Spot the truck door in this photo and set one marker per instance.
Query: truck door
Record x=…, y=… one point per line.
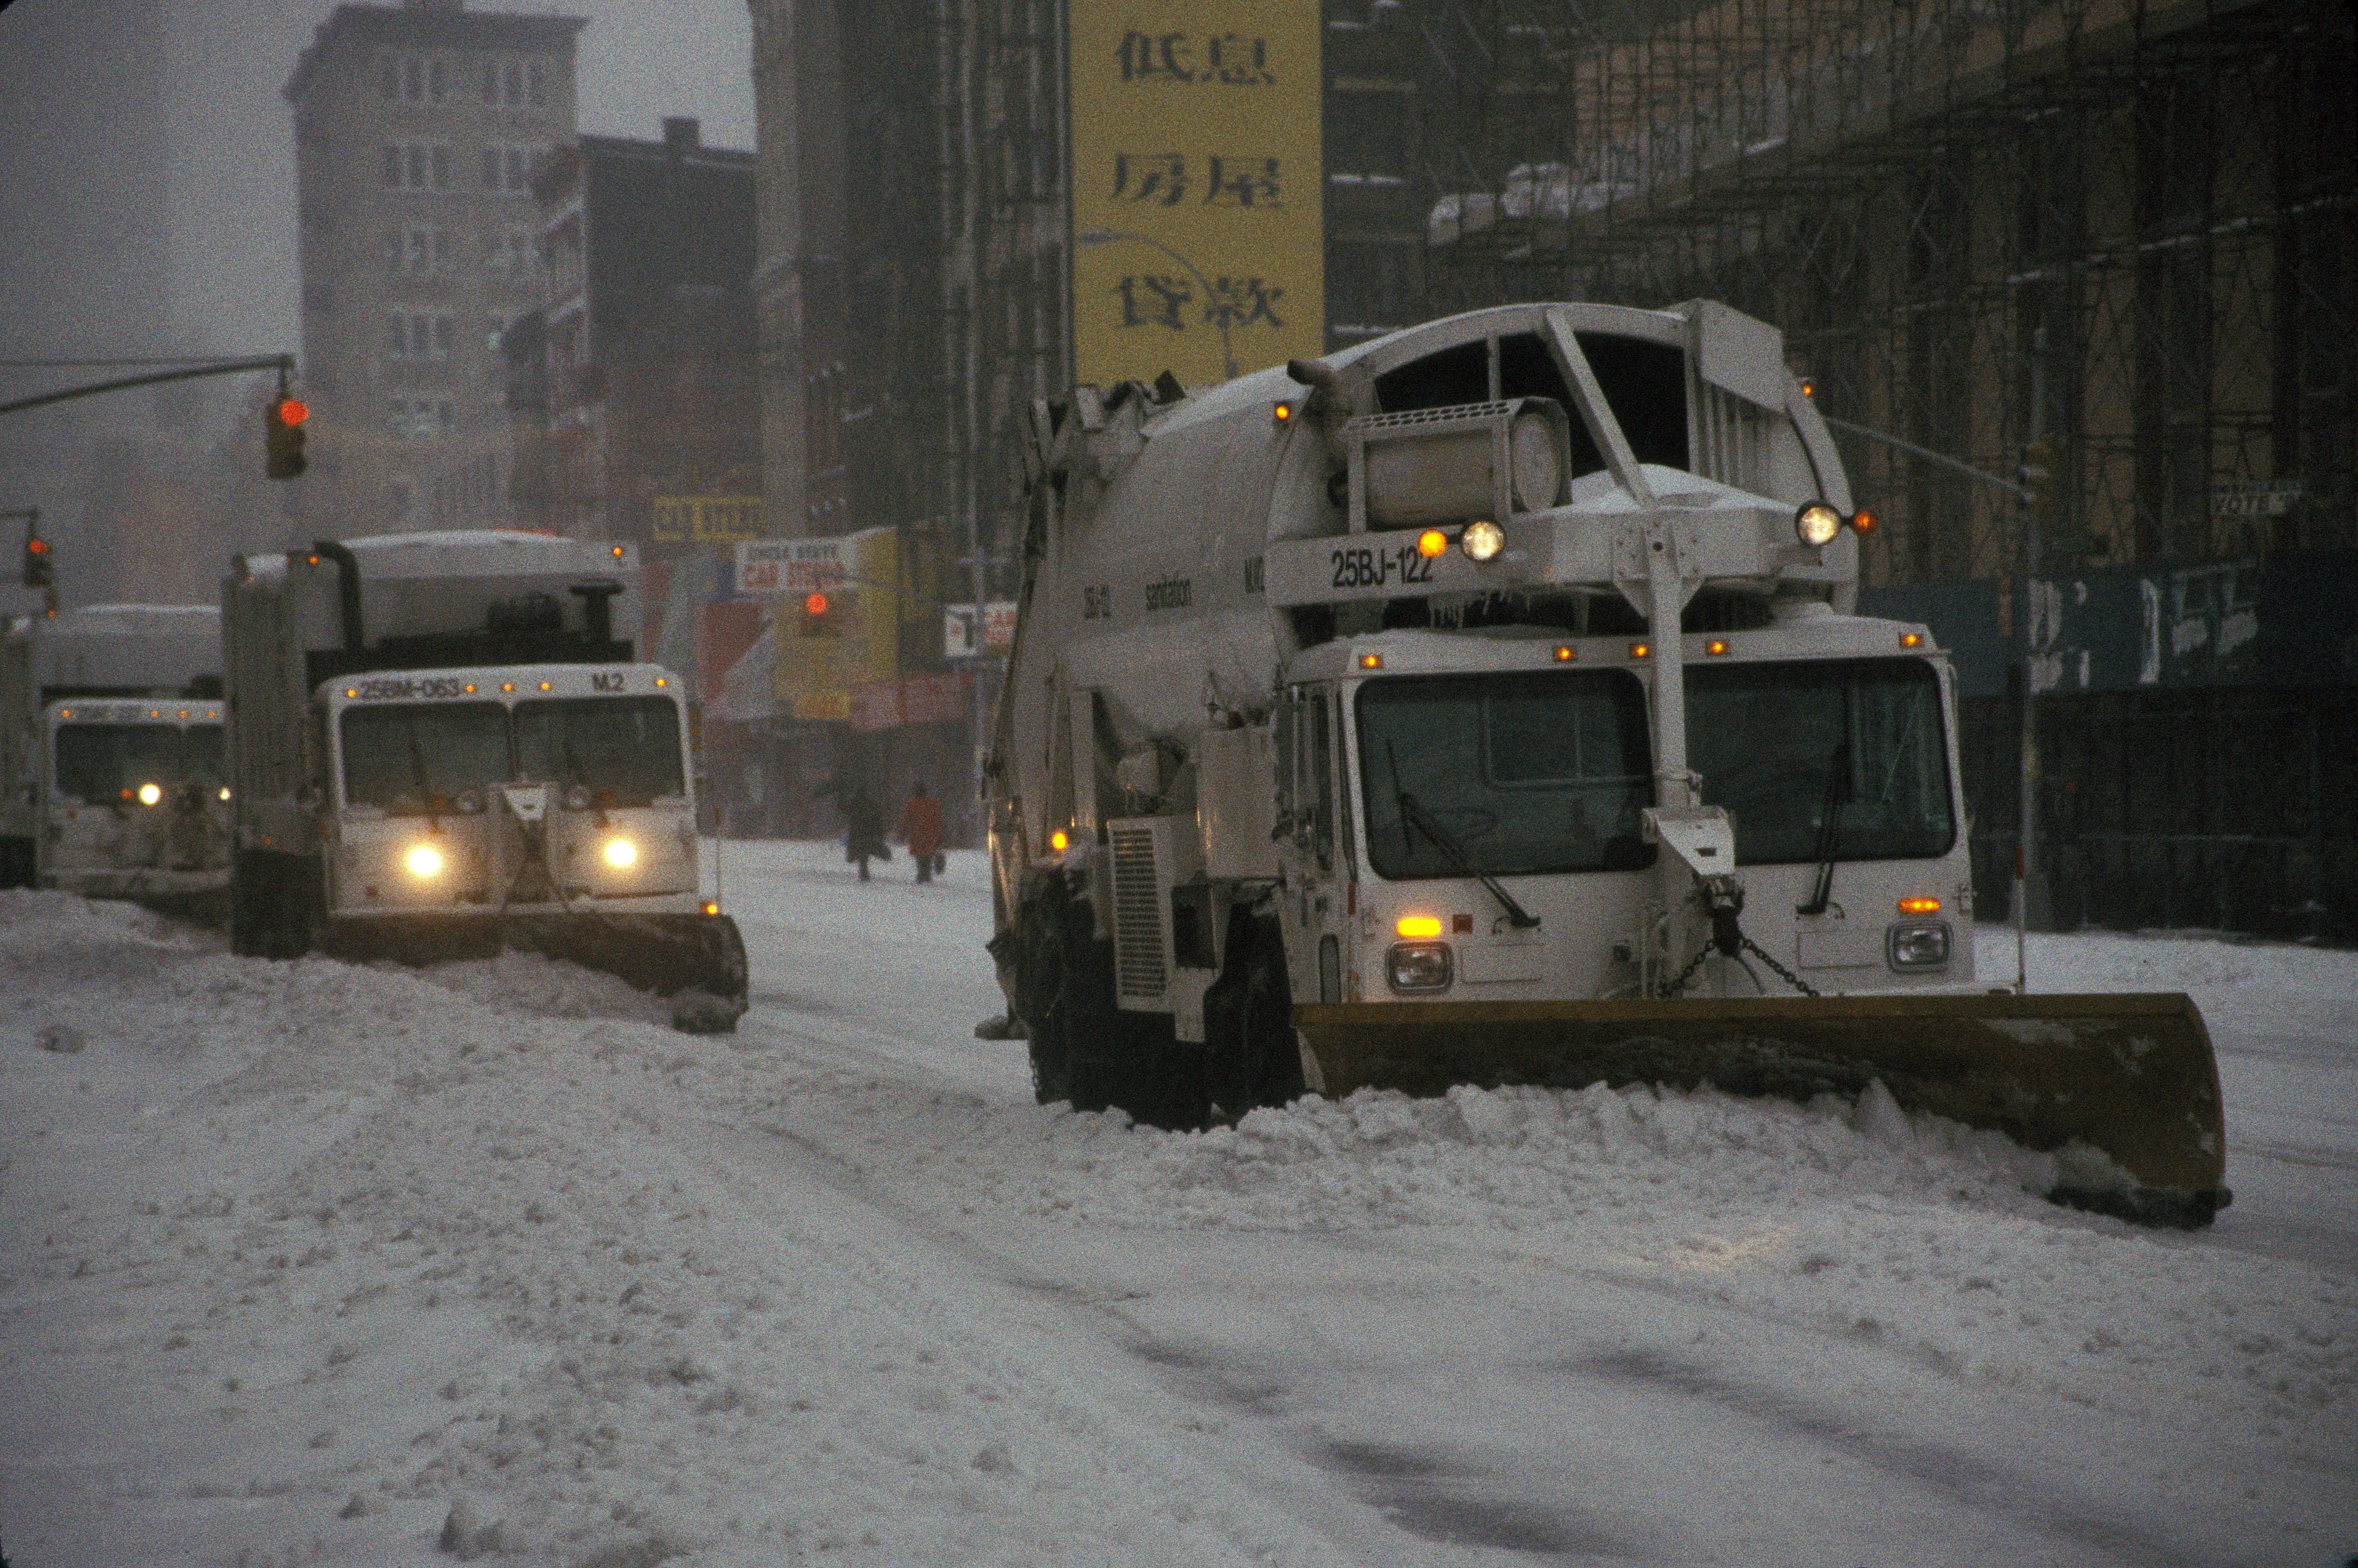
x=1310, y=803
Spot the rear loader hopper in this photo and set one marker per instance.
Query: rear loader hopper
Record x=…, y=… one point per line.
x=1486, y=704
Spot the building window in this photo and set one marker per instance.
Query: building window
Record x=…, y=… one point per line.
x=418, y=334
x=513, y=83
x=416, y=165
x=413, y=78
x=419, y=250
x=515, y=253
x=507, y=165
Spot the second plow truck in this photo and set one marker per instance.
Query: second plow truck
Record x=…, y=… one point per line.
x=111, y=756
x=1485, y=704
x=439, y=744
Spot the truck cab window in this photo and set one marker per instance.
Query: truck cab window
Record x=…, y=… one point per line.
x=1783, y=746
x=411, y=759
x=1522, y=775
x=109, y=762
x=624, y=750
x=1445, y=380
x=1645, y=384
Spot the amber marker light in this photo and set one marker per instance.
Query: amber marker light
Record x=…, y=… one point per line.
x=618, y=552
x=1430, y=542
x=545, y=686
x=507, y=686
x=1282, y=412
x=1565, y=653
x=1919, y=906
x=1911, y=639
x=712, y=906
x=1418, y=927
x=1862, y=521
x=352, y=691
x=1641, y=649
x=1371, y=661
x=1716, y=647
x=1060, y=840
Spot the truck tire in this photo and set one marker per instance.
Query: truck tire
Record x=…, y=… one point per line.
x=1086, y=1049
x=17, y=862
x=1251, y=1057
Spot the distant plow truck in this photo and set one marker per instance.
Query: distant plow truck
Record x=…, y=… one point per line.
x=442, y=744
x=111, y=770
x=1486, y=704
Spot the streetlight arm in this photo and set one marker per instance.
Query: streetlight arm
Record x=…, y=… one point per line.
x=1107, y=236
x=2018, y=491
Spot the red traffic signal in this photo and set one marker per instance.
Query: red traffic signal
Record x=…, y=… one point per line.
x=40, y=566
x=283, y=438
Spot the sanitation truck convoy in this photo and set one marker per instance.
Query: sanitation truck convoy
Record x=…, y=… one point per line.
x=111, y=755
x=1486, y=704
x=439, y=744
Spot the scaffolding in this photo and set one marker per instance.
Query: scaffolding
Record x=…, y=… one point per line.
x=2123, y=226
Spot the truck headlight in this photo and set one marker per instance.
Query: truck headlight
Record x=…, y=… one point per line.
x=150, y=793
x=424, y=861
x=1482, y=540
x=1419, y=966
x=1923, y=946
x=622, y=854
x=1817, y=524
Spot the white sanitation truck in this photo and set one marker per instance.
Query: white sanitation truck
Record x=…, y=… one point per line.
x=111, y=755
x=1486, y=704
x=441, y=743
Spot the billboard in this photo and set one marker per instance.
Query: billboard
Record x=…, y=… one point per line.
x=1197, y=186
x=705, y=519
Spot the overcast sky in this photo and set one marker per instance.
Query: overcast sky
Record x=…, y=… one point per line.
x=109, y=239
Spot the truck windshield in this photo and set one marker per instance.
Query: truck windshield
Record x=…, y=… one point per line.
x=625, y=751
x=1785, y=746
x=110, y=762
x=409, y=759
x=415, y=758
x=1522, y=773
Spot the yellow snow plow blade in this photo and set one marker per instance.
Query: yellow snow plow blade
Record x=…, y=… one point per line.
x=2128, y=1077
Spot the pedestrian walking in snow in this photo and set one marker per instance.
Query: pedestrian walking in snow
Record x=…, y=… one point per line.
x=920, y=828
x=863, y=831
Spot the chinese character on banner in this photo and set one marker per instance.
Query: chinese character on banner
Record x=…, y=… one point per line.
x=1157, y=177
x=1242, y=301
x=1232, y=182
x=1150, y=301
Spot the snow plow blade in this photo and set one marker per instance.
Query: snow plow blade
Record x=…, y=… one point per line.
x=695, y=961
x=2127, y=1077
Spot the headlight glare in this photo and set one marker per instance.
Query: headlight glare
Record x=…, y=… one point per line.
x=1482, y=540
x=424, y=861
x=622, y=854
x=1817, y=524
x=150, y=793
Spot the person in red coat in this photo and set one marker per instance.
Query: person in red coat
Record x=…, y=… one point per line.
x=921, y=827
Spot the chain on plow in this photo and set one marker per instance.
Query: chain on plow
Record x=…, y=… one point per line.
x=1724, y=898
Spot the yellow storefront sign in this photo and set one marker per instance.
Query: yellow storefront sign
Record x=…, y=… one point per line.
x=706, y=519
x=1197, y=186
x=824, y=654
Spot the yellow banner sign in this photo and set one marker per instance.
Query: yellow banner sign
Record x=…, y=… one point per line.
x=1197, y=186
x=706, y=519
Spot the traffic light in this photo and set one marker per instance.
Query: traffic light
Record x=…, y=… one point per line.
x=284, y=444
x=819, y=615
x=40, y=566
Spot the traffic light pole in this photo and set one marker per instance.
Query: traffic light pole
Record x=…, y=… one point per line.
x=283, y=363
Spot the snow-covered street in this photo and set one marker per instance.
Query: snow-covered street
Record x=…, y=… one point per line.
x=304, y=1262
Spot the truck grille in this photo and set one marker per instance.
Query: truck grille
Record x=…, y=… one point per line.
x=1139, y=967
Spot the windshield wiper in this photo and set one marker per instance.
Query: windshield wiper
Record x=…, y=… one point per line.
x=425, y=784
x=1412, y=811
x=1829, y=829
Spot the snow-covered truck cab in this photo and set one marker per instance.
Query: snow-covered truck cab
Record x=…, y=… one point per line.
x=133, y=799
x=525, y=789
x=439, y=744
x=114, y=784
x=1486, y=703
x=1475, y=817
